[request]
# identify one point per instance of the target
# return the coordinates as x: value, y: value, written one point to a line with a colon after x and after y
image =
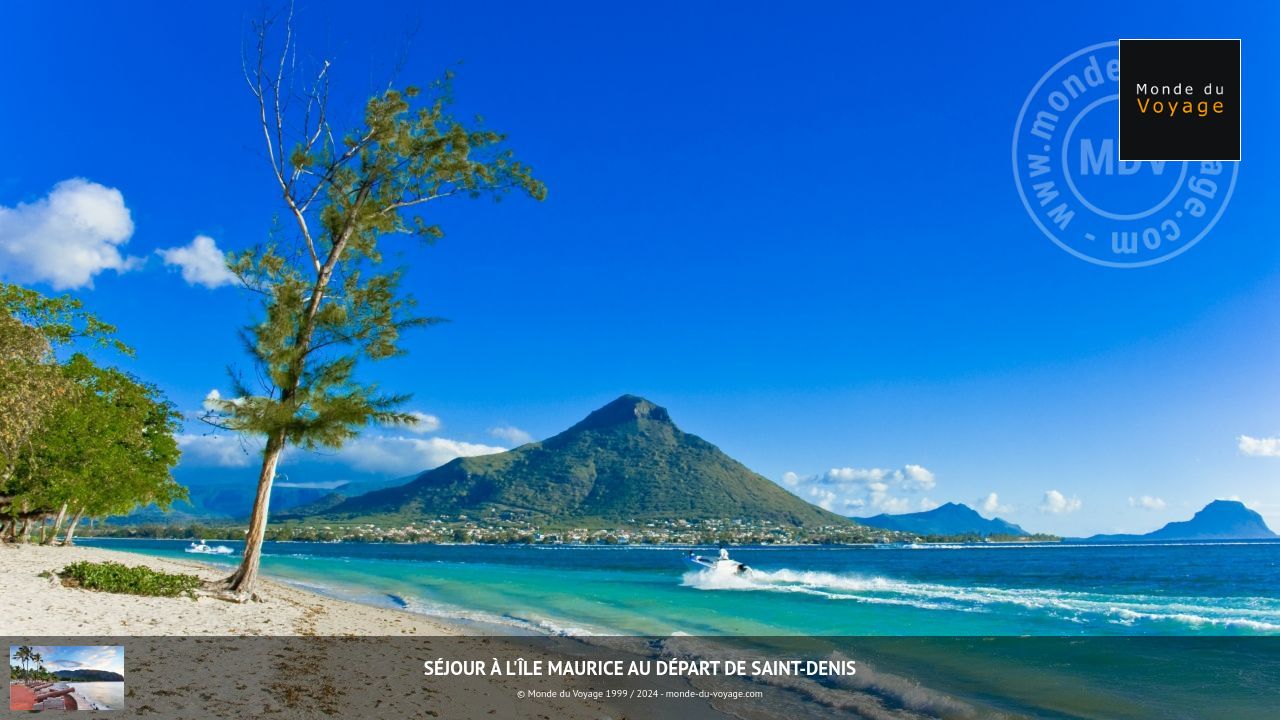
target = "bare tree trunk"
x: 71, y: 529
x: 57, y: 526
x: 244, y: 579
x: 26, y: 530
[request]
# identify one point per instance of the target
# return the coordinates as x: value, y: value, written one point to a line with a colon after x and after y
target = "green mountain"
x: 624, y: 463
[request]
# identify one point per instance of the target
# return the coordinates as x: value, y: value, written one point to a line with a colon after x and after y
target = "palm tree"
x: 24, y: 656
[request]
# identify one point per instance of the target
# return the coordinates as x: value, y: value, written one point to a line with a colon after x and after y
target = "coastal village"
x: 496, y: 530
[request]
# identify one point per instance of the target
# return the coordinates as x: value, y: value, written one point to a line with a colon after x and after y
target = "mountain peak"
x: 1219, y: 520
x: 625, y: 463
x: 625, y: 409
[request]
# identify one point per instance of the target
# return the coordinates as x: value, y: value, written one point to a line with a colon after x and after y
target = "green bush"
x: 118, y: 578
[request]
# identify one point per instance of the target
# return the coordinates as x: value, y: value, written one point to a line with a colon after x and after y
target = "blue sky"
x: 77, y: 657
x: 794, y: 227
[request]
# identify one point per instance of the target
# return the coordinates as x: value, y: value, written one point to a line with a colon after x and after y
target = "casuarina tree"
x: 329, y: 300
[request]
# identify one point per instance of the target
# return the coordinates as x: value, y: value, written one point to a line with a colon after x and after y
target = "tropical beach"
x: 64, y: 696
x: 39, y: 606
x: 66, y: 677
x: 619, y: 362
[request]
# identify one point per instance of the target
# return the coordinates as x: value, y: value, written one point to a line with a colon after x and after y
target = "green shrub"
x: 118, y: 578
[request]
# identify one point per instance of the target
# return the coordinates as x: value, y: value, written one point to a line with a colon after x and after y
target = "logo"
x: 1107, y: 211
x: 1180, y: 100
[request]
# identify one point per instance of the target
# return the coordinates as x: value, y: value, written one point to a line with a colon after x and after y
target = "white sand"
x: 267, y: 658
x: 32, y: 605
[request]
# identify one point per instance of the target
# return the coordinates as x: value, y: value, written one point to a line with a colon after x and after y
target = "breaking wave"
x: 1137, y: 612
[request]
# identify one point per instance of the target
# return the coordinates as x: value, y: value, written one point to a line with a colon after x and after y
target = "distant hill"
x: 949, y: 519
x: 225, y: 501
x: 626, y: 462
x: 89, y: 675
x: 1219, y: 520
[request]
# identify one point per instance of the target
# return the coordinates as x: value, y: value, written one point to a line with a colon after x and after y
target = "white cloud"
x: 991, y: 505
x: 511, y: 434
x: 396, y: 455
x: 391, y: 455
x: 1147, y: 502
x: 426, y: 423
x: 201, y: 261
x: 1057, y: 503
x: 221, y: 450
x: 865, y: 491
x: 214, y: 402
x: 66, y: 238
x: 1260, y: 447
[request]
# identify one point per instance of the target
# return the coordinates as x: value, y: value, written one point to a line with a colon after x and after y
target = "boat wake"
x: 1149, y: 613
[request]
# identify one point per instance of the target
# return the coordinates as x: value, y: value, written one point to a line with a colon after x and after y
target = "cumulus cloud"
x: 991, y: 505
x: 201, y: 262
x: 511, y: 434
x: 426, y: 424
x: 1058, y: 504
x: 66, y: 238
x: 214, y: 402
x: 397, y: 455
x: 865, y: 491
x: 392, y: 455
x: 221, y: 450
x: 1260, y: 447
x: 1147, y: 502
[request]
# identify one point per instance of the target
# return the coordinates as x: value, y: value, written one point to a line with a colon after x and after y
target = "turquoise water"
x: 1040, y: 590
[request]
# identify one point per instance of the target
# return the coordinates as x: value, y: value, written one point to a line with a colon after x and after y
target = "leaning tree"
x: 328, y: 298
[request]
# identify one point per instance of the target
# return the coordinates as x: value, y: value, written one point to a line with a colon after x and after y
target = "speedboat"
x: 718, y: 565
x: 203, y: 548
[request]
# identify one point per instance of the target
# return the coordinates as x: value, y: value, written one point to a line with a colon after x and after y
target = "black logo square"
x: 1179, y: 100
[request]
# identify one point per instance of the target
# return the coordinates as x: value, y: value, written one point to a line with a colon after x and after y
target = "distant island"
x: 88, y: 676
x: 1219, y: 520
x: 949, y: 519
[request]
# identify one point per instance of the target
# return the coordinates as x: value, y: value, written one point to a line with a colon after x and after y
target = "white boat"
x: 203, y: 548
x: 718, y: 565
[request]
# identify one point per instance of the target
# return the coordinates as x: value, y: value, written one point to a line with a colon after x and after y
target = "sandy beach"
x: 34, y: 605
x: 285, y: 657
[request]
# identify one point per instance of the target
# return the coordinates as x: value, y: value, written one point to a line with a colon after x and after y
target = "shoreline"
x: 42, y: 606
x: 307, y: 673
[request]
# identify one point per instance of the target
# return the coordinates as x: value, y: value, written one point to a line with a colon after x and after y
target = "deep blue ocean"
x: 1224, y: 588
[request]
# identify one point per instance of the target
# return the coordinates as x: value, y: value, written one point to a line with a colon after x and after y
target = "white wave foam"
x: 1252, y: 614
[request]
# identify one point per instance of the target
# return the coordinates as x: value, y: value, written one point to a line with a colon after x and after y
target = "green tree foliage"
x: 328, y: 298
x: 108, y: 449
x: 61, y: 320
x: 31, y: 326
x: 30, y: 388
x: 77, y: 437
